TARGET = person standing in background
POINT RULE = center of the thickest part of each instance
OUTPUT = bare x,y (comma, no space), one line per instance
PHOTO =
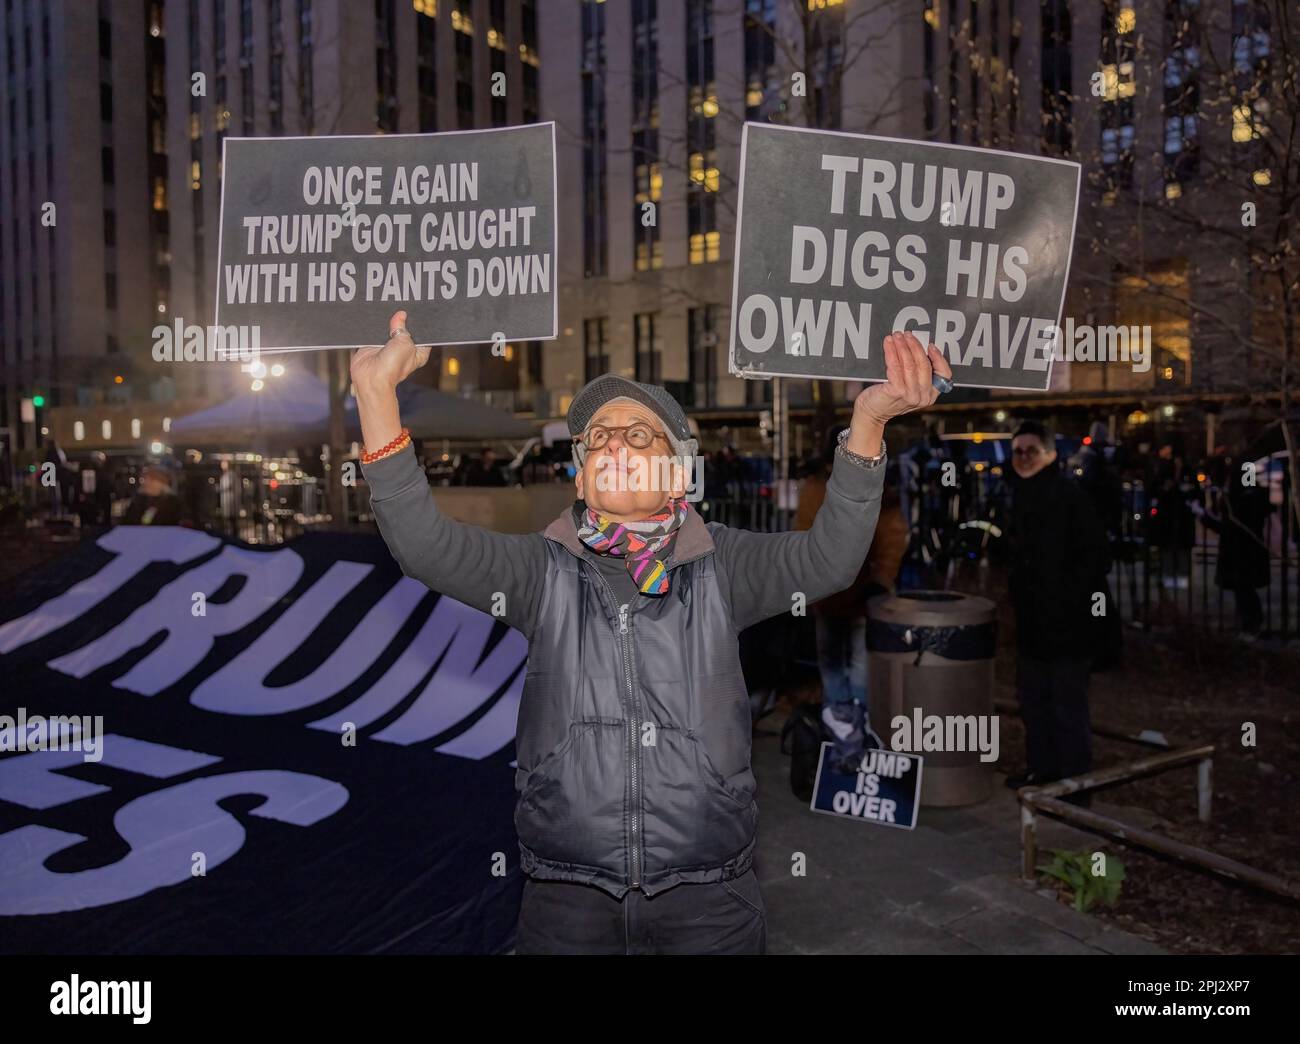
1059,562
484,471
155,504
841,619
1242,566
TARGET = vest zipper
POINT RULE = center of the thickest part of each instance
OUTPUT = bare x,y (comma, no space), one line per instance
634,775
624,628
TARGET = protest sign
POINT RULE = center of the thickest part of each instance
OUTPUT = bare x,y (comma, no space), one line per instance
323,238
886,789
844,238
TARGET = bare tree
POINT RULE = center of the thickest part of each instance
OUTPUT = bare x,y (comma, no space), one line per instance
815,48
1220,189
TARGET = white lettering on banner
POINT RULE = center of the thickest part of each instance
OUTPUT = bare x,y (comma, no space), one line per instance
239,686
163,830
269,576
165,544
452,638
483,738
461,684
34,782
425,649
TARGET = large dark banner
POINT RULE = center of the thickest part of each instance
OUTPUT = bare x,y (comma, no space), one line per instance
290,750
843,238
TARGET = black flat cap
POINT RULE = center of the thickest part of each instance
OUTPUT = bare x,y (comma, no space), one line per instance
595,393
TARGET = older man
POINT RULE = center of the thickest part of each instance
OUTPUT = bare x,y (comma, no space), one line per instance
636,814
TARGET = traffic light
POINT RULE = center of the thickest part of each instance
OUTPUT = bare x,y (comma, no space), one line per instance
38,400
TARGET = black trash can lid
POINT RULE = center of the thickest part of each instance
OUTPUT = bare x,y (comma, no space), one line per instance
932,609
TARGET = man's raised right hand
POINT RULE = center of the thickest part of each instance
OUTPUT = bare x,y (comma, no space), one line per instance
383,369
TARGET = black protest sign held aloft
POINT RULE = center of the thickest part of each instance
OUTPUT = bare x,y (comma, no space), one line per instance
844,238
322,239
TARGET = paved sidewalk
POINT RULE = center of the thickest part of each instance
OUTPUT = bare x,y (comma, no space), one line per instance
952,885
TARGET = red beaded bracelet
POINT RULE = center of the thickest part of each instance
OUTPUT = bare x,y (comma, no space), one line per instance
398,444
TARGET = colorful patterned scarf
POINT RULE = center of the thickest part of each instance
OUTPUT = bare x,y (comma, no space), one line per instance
644,544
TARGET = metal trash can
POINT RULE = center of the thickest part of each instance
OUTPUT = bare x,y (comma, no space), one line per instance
932,655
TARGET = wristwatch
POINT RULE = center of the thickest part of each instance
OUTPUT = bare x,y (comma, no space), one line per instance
858,458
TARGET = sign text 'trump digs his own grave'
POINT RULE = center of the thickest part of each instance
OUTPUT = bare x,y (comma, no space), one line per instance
843,238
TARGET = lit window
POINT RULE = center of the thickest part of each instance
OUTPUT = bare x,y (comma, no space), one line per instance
453,366
135,427
1263,176
426,7
705,246
78,430
754,97
1109,82
462,23
196,127
159,194
196,172
1127,86
106,429
1173,134
167,424
1109,145
1126,20
1173,190
1241,123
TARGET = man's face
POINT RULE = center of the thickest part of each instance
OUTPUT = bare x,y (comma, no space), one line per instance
489,458
626,481
1029,456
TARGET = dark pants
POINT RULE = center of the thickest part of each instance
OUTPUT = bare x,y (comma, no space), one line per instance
1250,610
1053,697
562,917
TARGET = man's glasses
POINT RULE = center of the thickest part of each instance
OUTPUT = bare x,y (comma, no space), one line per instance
635,436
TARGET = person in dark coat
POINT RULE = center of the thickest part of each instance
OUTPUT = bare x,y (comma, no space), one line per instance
484,471
1243,565
1059,559
155,504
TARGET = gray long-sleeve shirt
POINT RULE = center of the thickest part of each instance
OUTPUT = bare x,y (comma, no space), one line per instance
761,573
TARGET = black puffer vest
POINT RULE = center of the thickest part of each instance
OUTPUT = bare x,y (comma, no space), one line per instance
633,739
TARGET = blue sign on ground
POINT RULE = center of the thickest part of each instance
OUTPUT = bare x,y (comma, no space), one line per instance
886,789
